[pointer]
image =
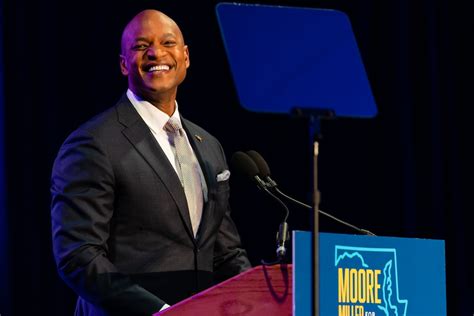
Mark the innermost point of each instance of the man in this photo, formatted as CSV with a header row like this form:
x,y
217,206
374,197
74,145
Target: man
x,y
137,224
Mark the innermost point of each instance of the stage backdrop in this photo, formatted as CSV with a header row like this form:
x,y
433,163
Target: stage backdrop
x,y
406,173
4,289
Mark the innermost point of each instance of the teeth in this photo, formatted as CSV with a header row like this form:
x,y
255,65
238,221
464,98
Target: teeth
x,y
159,68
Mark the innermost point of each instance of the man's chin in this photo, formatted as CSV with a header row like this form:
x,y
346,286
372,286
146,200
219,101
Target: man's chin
x,y
157,91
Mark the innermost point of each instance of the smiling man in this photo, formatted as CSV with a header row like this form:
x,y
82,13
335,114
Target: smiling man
x,y
155,58
140,211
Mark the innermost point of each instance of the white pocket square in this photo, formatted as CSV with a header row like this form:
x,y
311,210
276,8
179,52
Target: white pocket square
x,y
224,175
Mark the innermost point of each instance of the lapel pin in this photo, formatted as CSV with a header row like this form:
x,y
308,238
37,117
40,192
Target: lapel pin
x,y
199,138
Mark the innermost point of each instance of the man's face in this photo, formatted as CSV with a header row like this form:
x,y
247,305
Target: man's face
x,y
154,56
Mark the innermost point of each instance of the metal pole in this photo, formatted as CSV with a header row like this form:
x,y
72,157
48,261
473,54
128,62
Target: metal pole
x,y
316,200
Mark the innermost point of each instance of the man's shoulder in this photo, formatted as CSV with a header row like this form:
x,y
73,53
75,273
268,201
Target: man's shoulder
x,y
103,126
100,121
105,121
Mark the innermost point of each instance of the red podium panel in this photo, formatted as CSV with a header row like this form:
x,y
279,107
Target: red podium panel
x,y
262,290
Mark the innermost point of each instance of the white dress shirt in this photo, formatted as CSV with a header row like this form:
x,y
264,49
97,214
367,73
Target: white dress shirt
x,y
156,119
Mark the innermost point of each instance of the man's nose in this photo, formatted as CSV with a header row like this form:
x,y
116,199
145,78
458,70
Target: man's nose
x,y
155,51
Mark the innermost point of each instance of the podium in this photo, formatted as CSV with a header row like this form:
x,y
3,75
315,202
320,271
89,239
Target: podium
x,y
359,276
258,291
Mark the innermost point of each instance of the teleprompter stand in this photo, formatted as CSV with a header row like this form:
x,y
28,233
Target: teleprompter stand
x,y
300,61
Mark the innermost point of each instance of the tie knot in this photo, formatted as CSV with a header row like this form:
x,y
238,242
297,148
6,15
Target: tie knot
x,y
172,126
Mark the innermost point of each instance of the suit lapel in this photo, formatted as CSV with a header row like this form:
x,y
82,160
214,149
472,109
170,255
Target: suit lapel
x,y
138,133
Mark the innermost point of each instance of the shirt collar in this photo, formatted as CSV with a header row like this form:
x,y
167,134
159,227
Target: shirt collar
x,y
153,117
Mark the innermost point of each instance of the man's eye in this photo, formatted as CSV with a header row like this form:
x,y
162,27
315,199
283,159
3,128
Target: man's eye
x,y
169,43
139,47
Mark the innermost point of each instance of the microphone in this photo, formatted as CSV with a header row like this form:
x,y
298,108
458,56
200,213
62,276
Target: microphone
x,y
265,174
244,164
263,167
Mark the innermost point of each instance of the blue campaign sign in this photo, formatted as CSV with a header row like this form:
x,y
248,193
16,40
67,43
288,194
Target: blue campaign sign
x,y
286,58
368,276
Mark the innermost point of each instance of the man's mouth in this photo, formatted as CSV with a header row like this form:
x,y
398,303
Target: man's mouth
x,y
158,68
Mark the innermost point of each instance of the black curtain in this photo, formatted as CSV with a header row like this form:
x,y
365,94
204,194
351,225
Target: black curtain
x,y
405,173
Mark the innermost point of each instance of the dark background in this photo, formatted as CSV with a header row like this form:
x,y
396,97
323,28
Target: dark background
x,y
406,173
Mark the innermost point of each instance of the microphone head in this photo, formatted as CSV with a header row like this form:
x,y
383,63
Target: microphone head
x,y
244,164
260,162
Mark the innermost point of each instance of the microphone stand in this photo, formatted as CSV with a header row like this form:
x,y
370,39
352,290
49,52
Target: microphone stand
x,y
283,232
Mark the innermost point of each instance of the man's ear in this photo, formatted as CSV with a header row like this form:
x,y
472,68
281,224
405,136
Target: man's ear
x,y
186,56
123,65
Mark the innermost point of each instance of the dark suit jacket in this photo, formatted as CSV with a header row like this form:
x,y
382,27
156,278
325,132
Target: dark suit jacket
x,y
122,235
